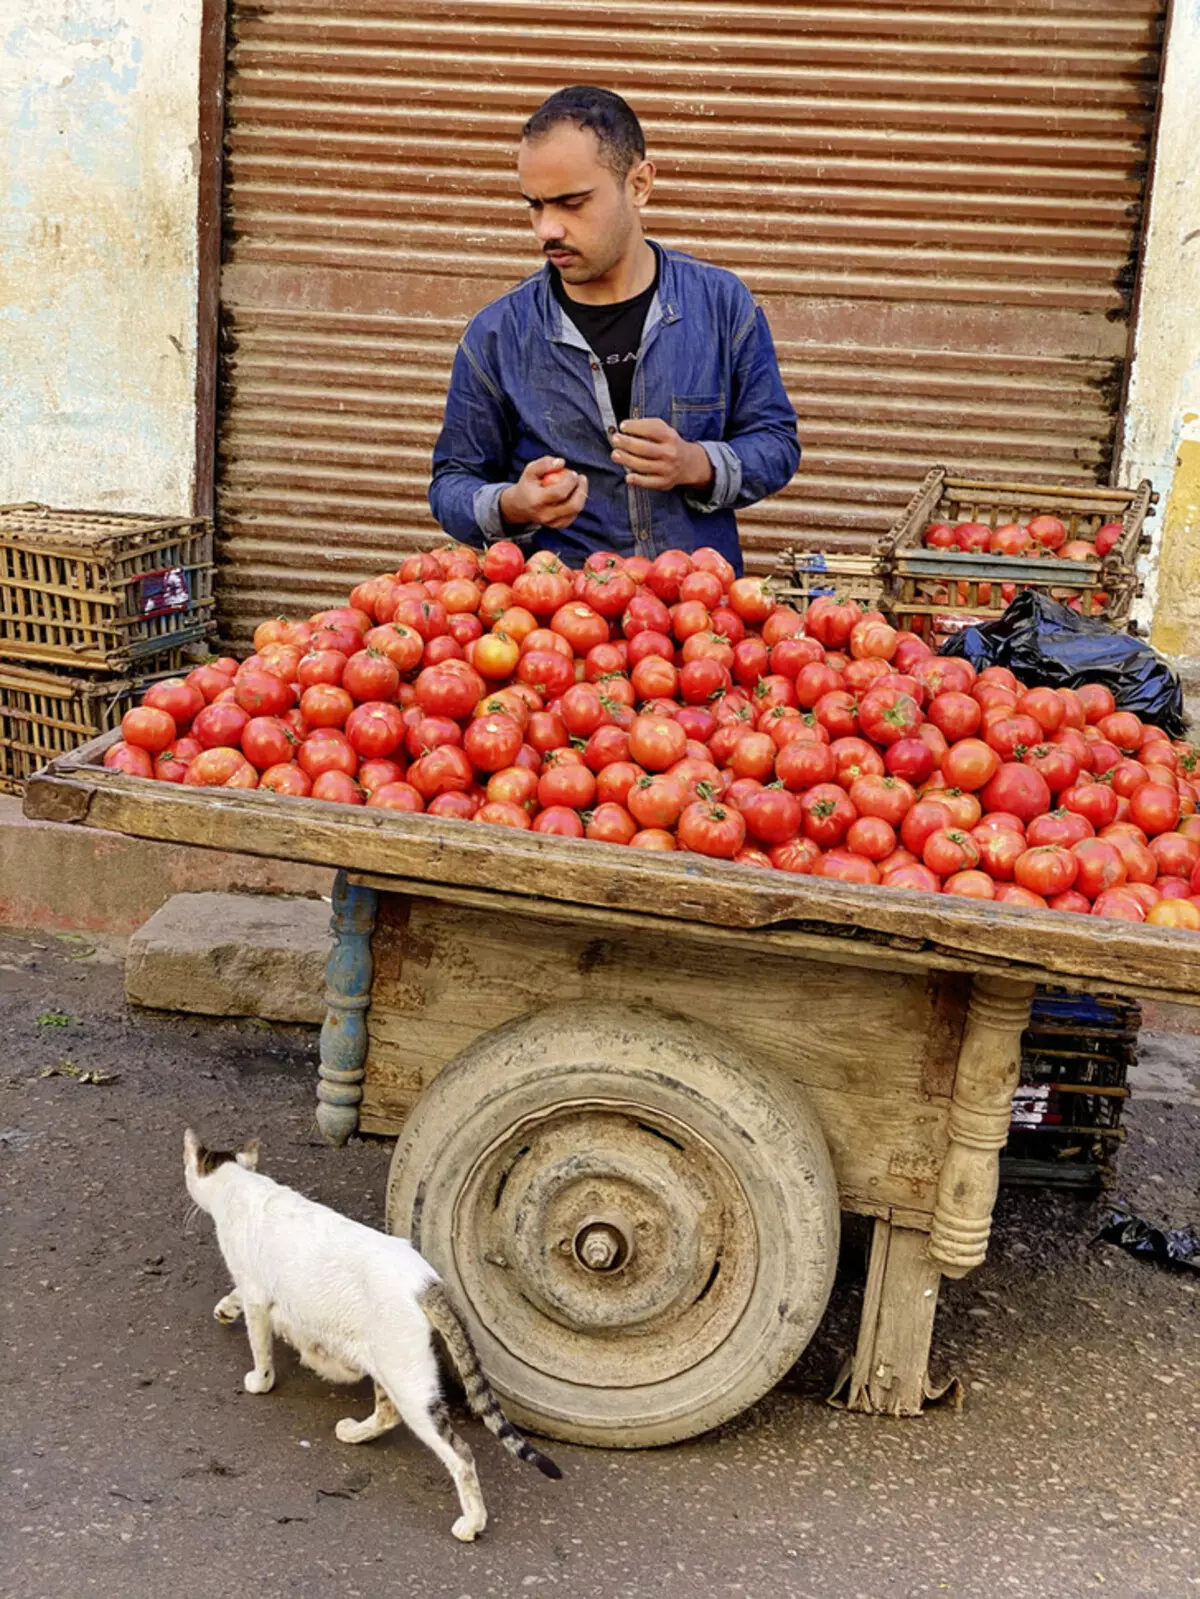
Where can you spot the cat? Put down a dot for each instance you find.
(353, 1302)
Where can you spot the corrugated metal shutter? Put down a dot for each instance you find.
(938, 207)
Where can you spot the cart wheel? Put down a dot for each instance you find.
(641, 1223)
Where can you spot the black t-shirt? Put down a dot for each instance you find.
(614, 333)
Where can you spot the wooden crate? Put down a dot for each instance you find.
(937, 592)
(805, 575)
(45, 712)
(94, 590)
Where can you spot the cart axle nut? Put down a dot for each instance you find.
(601, 1246)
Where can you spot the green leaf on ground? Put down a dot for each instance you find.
(54, 1018)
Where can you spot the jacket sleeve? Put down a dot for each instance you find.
(760, 451)
(472, 458)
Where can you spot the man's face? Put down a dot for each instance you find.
(584, 216)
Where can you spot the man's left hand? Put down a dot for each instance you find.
(655, 457)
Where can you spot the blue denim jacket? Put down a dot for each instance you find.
(525, 384)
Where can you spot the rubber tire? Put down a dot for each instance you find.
(760, 1122)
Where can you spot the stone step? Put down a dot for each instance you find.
(232, 955)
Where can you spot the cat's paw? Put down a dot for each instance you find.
(467, 1528)
(228, 1310)
(349, 1431)
(259, 1382)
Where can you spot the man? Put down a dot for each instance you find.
(626, 397)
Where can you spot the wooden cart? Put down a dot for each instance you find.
(632, 1091)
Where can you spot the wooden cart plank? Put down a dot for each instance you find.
(1048, 945)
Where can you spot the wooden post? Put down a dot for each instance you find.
(989, 1062)
(347, 996)
(889, 1372)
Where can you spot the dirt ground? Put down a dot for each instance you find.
(134, 1464)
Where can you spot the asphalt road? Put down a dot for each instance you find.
(134, 1466)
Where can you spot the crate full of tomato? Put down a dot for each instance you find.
(964, 547)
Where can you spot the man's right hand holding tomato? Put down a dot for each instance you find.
(547, 494)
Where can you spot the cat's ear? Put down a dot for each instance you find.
(191, 1148)
(248, 1155)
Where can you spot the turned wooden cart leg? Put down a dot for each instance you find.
(989, 1063)
(347, 996)
(889, 1372)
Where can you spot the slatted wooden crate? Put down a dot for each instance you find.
(45, 712)
(937, 592)
(94, 590)
(804, 575)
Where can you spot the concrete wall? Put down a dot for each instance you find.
(1162, 421)
(98, 160)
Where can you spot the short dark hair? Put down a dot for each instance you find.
(618, 131)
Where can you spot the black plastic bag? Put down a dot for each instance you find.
(1043, 642)
(1165, 1246)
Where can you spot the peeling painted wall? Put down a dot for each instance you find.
(98, 158)
(1162, 421)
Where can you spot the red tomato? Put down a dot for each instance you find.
(1119, 902)
(654, 678)
(268, 741)
(1154, 808)
(1097, 701)
(559, 820)
(845, 866)
(220, 768)
(1046, 869)
(1140, 865)
(800, 766)
(1176, 854)
(581, 626)
(373, 774)
(375, 729)
(1057, 764)
(607, 592)
(888, 715)
(999, 851)
(325, 705)
(837, 712)
(711, 829)
(441, 771)
(402, 645)
(502, 562)
(753, 756)
(261, 693)
(1096, 801)
(970, 884)
(491, 742)
(970, 764)
(773, 815)
(701, 588)
(1047, 531)
(515, 785)
(501, 814)
(611, 824)
(888, 799)
(831, 620)
(657, 742)
(871, 835)
(133, 760)
(219, 726)
(180, 699)
(1012, 735)
(912, 759)
(950, 850)
(1045, 707)
(148, 729)
(955, 714)
(573, 785)
(1059, 827)
(653, 838)
(338, 787)
(288, 779)
(1014, 894)
(321, 666)
(1018, 789)
(452, 689)
(913, 876)
(828, 814)
(1123, 729)
(370, 675)
(970, 536)
(658, 801)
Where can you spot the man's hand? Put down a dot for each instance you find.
(655, 457)
(550, 504)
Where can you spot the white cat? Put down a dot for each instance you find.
(352, 1302)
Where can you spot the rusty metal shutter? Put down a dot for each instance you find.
(939, 207)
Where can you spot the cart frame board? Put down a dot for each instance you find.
(896, 1015)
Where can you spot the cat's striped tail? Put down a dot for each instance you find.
(443, 1317)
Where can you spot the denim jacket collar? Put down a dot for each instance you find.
(665, 307)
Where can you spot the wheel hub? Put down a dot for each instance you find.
(611, 1221)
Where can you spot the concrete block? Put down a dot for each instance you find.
(232, 955)
(55, 877)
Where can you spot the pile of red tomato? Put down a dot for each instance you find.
(668, 705)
